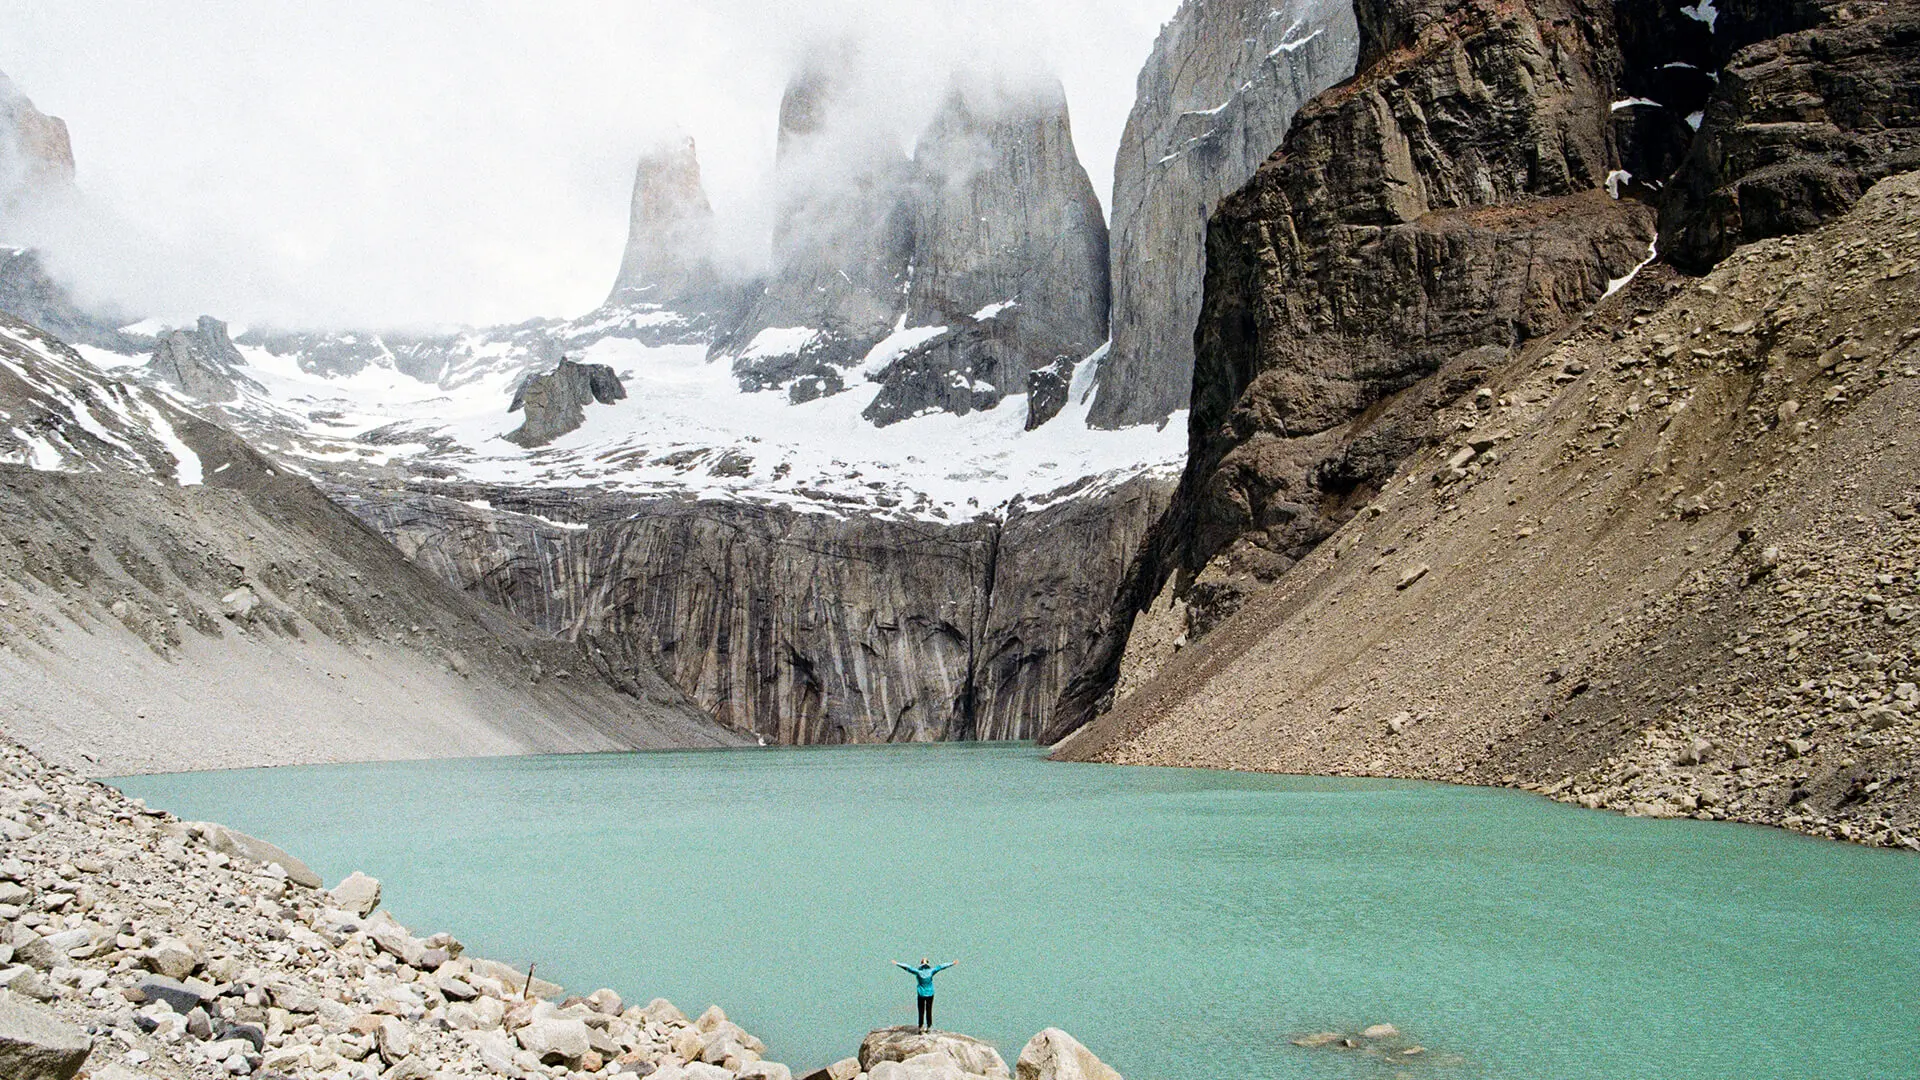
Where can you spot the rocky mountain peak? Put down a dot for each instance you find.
(36, 153)
(669, 256)
(201, 362)
(1009, 250)
(843, 234)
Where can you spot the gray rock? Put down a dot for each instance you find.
(1047, 390)
(842, 241)
(668, 262)
(393, 1040)
(1215, 98)
(1009, 249)
(38, 953)
(239, 844)
(171, 957)
(898, 1044)
(202, 362)
(1055, 1055)
(357, 893)
(35, 1044)
(555, 403)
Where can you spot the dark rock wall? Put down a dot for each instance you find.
(800, 628)
(1421, 221)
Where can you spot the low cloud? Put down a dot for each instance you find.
(380, 164)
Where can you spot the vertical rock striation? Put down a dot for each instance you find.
(1215, 99)
(799, 628)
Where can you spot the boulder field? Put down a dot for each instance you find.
(134, 946)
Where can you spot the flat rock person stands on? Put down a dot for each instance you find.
(923, 989)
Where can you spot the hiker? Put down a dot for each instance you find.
(923, 993)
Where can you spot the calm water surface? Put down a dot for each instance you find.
(1182, 923)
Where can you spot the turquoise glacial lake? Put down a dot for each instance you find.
(1182, 923)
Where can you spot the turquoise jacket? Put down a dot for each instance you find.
(923, 975)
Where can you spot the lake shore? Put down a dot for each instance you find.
(149, 948)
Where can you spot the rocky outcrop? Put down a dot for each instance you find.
(29, 293)
(843, 237)
(945, 278)
(905, 1043)
(202, 362)
(555, 403)
(800, 628)
(36, 154)
(1814, 107)
(669, 255)
(1397, 246)
(669, 288)
(1215, 99)
(1664, 563)
(1009, 251)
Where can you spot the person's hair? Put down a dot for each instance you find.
(924, 960)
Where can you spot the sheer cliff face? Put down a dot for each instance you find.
(1215, 99)
(988, 246)
(843, 235)
(36, 155)
(1428, 219)
(1423, 219)
(201, 362)
(669, 256)
(800, 628)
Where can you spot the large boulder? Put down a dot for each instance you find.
(555, 403)
(556, 1041)
(357, 893)
(239, 844)
(1055, 1055)
(35, 1044)
(902, 1043)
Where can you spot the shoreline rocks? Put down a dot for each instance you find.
(141, 947)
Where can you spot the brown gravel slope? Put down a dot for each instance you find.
(1665, 564)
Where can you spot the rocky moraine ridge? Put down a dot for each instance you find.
(134, 946)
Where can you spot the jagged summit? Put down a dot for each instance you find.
(842, 243)
(36, 153)
(669, 255)
(201, 362)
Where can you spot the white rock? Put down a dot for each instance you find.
(358, 893)
(556, 1042)
(1055, 1055)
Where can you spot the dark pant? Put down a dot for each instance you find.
(926, 1011)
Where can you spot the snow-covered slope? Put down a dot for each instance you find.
(436, 408)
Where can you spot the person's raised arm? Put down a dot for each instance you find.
(945, 966)
(902, 966)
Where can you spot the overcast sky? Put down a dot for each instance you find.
(404, 162)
